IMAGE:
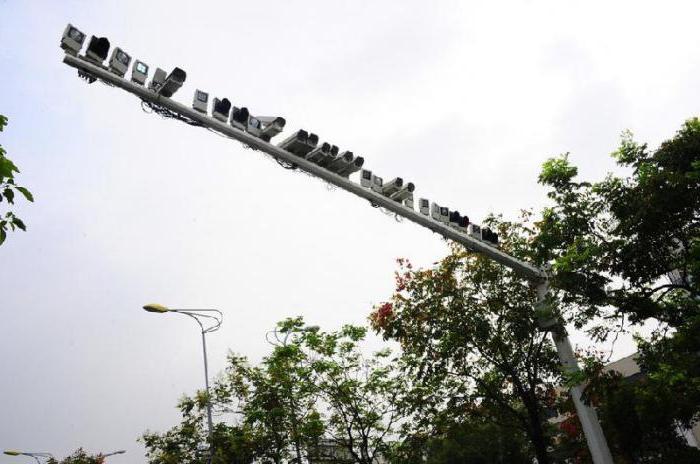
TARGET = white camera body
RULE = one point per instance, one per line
(72, 40)
(200, 102)
(119, 62)
(139, 72)
(424, 206)
(158, 80)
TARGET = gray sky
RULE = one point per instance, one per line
(466, 99)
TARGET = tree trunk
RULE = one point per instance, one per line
(539, 441)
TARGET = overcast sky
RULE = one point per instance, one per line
(466, 99)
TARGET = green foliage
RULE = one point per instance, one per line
(79, 456)
(8, 220)
(639, 236)
(313, 389)
(470, 339)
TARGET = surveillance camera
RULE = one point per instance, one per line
(221, 109)
(173, 82)
(393, 186)
(239, 118)
(435, 211)
(489, 236)
(158, 80)
(319, 154)
(272, 125)
(353, 167)
(444, 215)
(454, 219)
(404, 193)
(366, 178)
(72, 40)
(341, 162)
(139, 72)
(300, 143)
(200, 102)
(254, 126)
(424, 206)
(119, 62)
(377, 184)
(474, 231)
(97, 50)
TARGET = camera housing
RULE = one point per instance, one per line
(98, 49)
(173, 82)
(435, 211)
(319, 154)
(271, 126)
(200, 102)
(220, 109)
(239, 118)
(424, 206)
(300, 143)
(72, 40)
(340, 162)
(444, 215)
(474, 231)
(393, 186)
(139, 72)
(119, 62)
(489, 236)
(366, 178)
(158, 80)
(377, 183)
(455, 217)
(254, 126)
(403, 193)
(464, 223)
(353, 167)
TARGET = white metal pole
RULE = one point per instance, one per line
(597, 445)
(206, 384)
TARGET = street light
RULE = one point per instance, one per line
(209, 320)
(34, 455)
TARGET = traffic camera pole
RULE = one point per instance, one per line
(591, 426)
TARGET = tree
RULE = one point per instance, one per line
(362, 394)
(314, 391)
(186, 443)
(626, 250)
(276, 401)
(79, 457)
(470, 339)
(8, 190)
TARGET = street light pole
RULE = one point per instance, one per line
(601, 455)
(209, 320)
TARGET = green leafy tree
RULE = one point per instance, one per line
(362, 394)
(187, 442)
(470, 339)
(79, 457)
(9, 190)
(626, 250)
(276, 401)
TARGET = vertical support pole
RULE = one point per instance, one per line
(597, 445)
(206, 384)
